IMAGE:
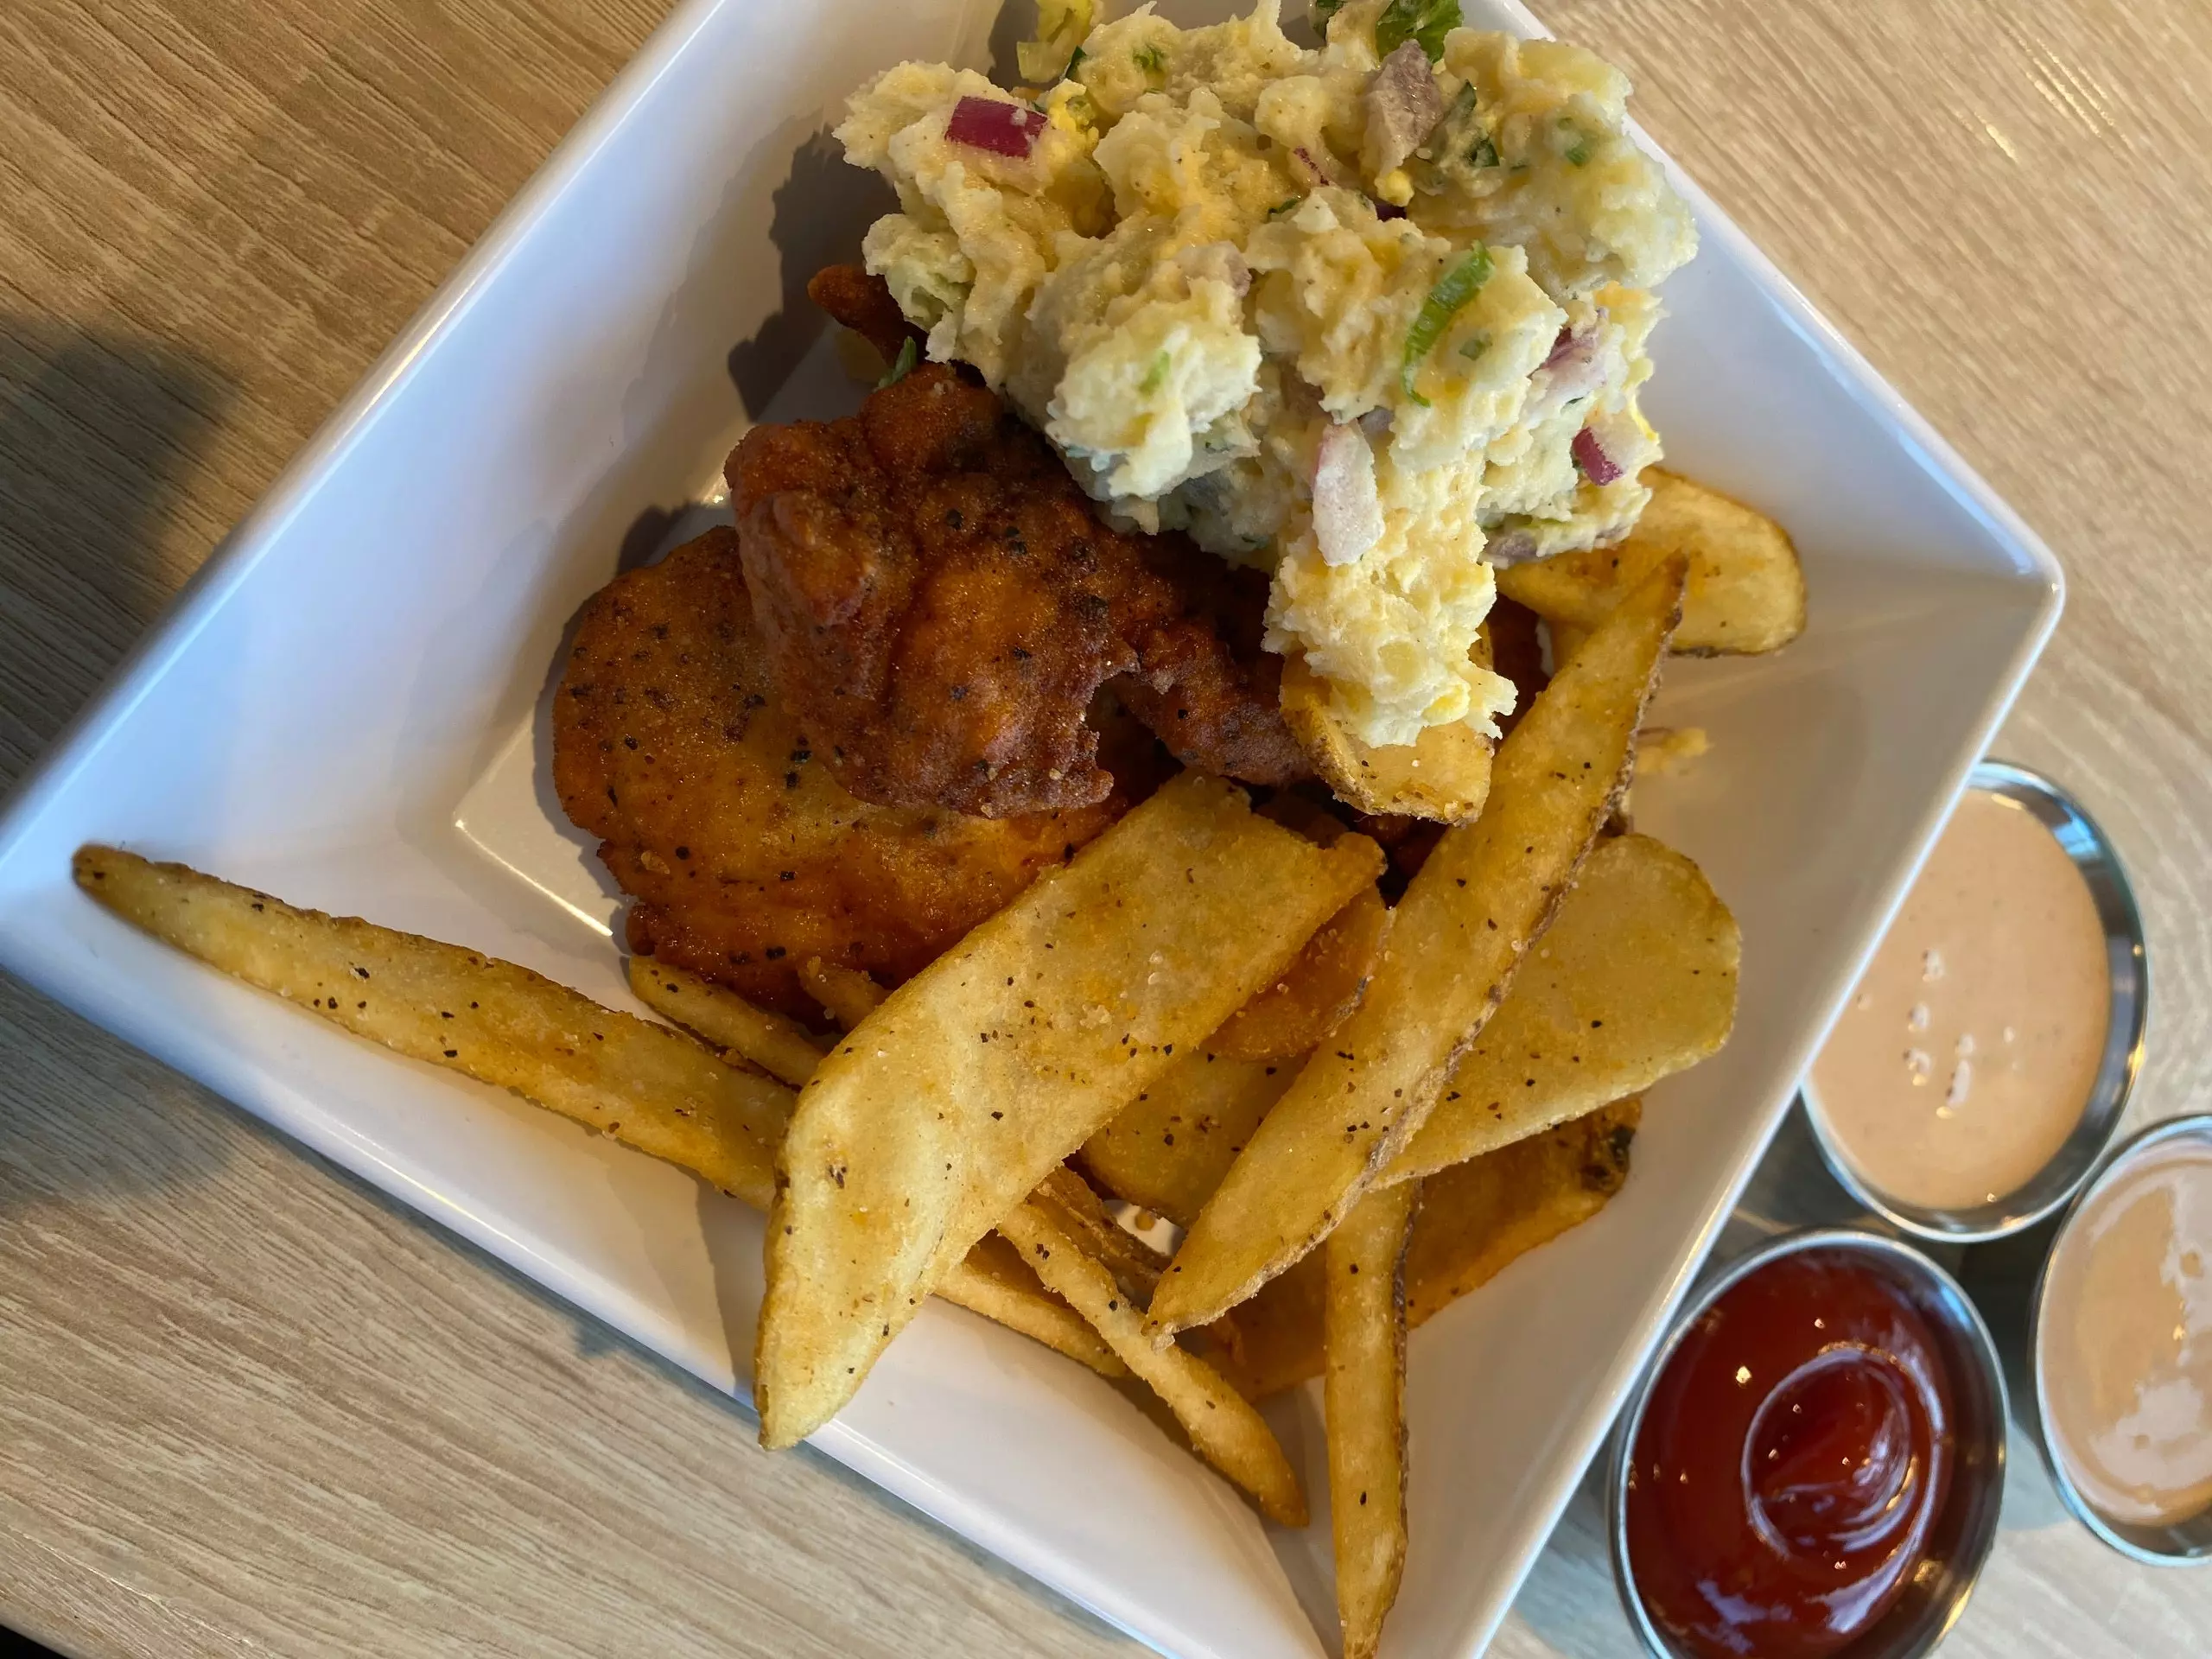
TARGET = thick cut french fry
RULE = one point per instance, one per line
(846, 993)
(973, 1080)
(993, 1280)
(1479, 1217)
(493, 1020)
(1566, 639)
(1443, 775)
(1745, 591)
(1168, 1150)
(1364, 1396)
(1634, 981)
(653, 1088)
(781, 1047)
(1069, 1203)
(1475, 1220)
(1482, 898)
(1316, 993)
(1227, 1432)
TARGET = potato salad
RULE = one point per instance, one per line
(1372, 316)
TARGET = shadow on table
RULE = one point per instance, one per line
(97, 429)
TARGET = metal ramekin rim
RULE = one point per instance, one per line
(2117, 1156)
(1989, 1364)
(2108, 1104)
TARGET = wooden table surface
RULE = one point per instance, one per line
(247, 1406)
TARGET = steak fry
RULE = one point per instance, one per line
(941, 603)
(716, 808)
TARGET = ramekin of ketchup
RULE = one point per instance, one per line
(1812, 1470)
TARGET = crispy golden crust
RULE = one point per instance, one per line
(863, 304)
(941, 603)
(716, 808)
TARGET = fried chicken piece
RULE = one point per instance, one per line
(863, 304)
(941, 602)
(1204, 685)
(715, 807)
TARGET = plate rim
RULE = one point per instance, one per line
(231, 563)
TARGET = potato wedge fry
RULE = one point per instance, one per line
(781, 1047)
(1475, 1220)
(490, 1020)
(993, 1280)
(1227, 1432)
(1168, 1150)
(848, 995)
(1635, 980)
(1316, 993)
(1481, 898)
(1444, 775)
(1479, 1217)
(1364, 1397)
(1565, 640)
(1279, 1331)
(1745, 591)
(1068, 1202)
(653, 1088)
(978, 1076)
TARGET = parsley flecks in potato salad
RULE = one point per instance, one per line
(1373, 316)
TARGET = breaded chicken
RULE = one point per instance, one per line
(941, 602)
(863, 304)
(716, 809)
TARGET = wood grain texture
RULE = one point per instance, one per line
(248, 1406)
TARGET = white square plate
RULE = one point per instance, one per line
(326, 712)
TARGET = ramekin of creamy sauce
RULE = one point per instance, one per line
(1985, 1055)
(2122, 1349)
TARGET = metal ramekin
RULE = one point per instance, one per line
(2071, 1166)
(2185, 1543)
(1961, 1538)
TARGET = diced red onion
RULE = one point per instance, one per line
(1561, 347)
(1347, 510)
(1514, 547)
(1002, 129)
(1574, 366)
(1590, 455)
(1404, 107)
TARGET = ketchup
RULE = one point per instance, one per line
(1792, 1458)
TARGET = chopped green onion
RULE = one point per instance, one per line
(1461, 130)
(1453, 289)
(1474, 345)
(1578, 153)
(1281, 207)
(1151, 60)
(902, 365)
(1425, 20)
(1156, 376)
